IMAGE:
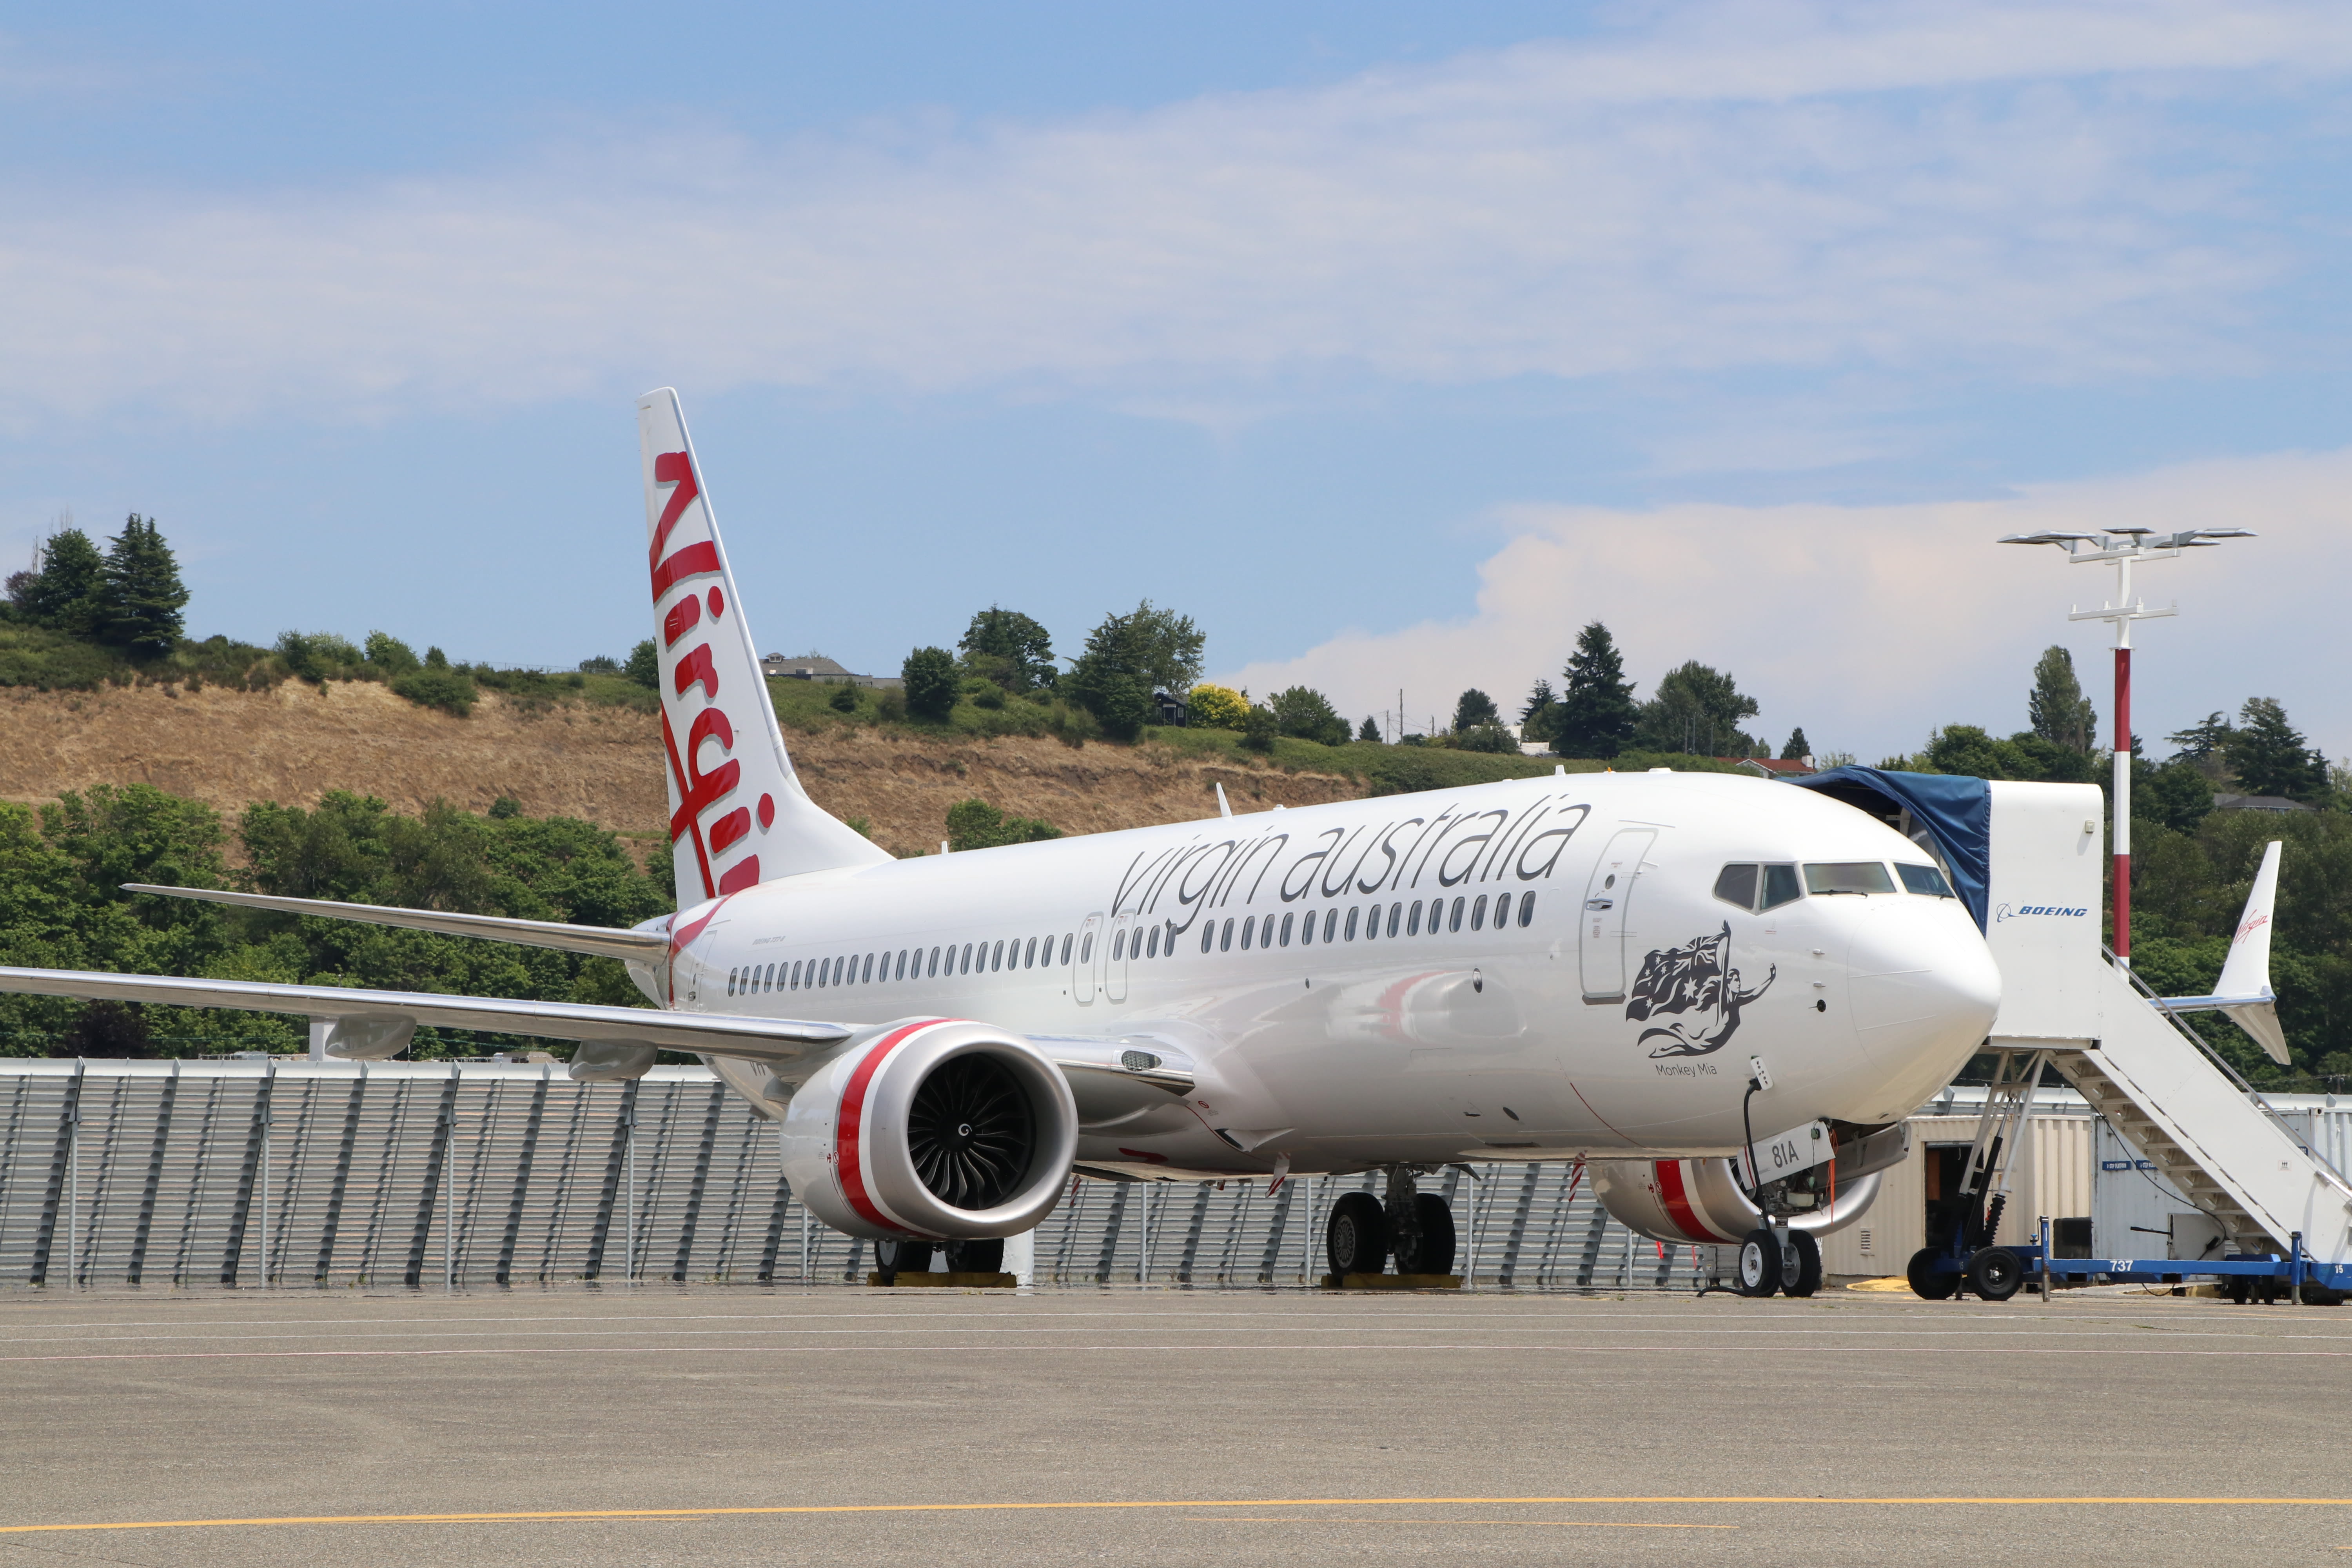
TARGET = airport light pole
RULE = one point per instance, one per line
(2125, 548)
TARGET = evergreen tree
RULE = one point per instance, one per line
(2270, 756)
(1368, 731)
(1596, 711)
(1539, 712)
(2056, 707)
(1472, 708)
(69, 594)
(1799, 748)
(142, 590)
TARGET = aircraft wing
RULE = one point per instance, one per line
(375, 1024)
(603, 940)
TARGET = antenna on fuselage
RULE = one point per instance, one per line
(1223, 808)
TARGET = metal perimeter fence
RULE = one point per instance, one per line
(197, 1174)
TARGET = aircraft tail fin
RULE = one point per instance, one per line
(2248, 971)
(738, 813)
(2243, 991)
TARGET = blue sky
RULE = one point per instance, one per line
(1391, 342)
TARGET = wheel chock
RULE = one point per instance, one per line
(1392, 1282)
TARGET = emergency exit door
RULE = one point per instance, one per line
(1605, 927)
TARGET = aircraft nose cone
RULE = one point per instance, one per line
(1923, 989)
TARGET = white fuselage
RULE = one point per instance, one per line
(1611, 1007)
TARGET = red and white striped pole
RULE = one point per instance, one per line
(2122, 836)
(2121, 548)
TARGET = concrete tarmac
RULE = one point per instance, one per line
(727, 1425)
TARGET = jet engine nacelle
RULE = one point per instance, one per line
(933, 1128)
(1700, 1200)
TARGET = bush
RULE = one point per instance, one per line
(976, 824)
(1306, 713)
(1218, 707)
(451, 690)
(1121, 705)
(1259, 728)
(598, 664)
(1485, 738)
(844, 699)
(390, 655)
(891, 705)
(930, 683)
(317, 655)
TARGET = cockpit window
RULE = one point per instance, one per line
(1847, 877)
(1759, 888)
(1924, 880)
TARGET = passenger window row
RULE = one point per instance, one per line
(1368, 921)
(850, 969)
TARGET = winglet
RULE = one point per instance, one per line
(1223, 808)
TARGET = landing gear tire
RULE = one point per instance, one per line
(1994, 1273)
(1926, 1282)
(903, 1256)
(976, 1257)
(1759, 1264)
(1357, 1238)
(1434, 1253)
(1808, 1265)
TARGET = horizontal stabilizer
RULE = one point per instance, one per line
(384, 1012)
(603, 940)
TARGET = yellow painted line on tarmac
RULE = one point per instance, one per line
(871, 1508)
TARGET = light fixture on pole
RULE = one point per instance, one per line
(2125, 548)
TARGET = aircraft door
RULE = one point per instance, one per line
(1084, 967)
(1607, 921)
(1123, 931)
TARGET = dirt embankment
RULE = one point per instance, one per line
(295, 744)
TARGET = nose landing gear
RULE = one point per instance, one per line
(1779, 1261)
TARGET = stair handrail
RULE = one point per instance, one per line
(2301, 1142)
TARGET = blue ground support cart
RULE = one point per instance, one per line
(1995, 1273)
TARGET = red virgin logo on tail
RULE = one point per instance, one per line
(697, 792)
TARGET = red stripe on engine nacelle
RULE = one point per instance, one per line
(851, 1121)
(1678, 1204)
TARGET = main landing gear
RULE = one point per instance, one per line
(1416, 1228)
(896, 1257)
(1779, 1262)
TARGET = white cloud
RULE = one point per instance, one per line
(1865, 624)
(1739, 186)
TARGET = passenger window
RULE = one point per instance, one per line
(1330, 923)
(1848, 877)
(1306, 930)
(1395, 912)
(996, 958)
(730, 983)
(1780, 886)
(1412, 919)
(931, 971)
(1924, 880)
(1066, 947)
(867, 975)
(1208, 935)
(1086, 950)
(964, 965)
(1286, 931)
(1478, 912)
(1248, 926)
(1352, 923)
(1226, 943)
(1737, 885)
(1117, 946)
(768, 979)
(1454, 923)
(1372, 922)
(1029, 953)
(1152, 947)
(1527, 908)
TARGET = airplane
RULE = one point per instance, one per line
(1649, 965)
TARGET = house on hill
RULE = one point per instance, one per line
(817, 667)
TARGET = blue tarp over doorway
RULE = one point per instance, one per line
(1955, 812)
